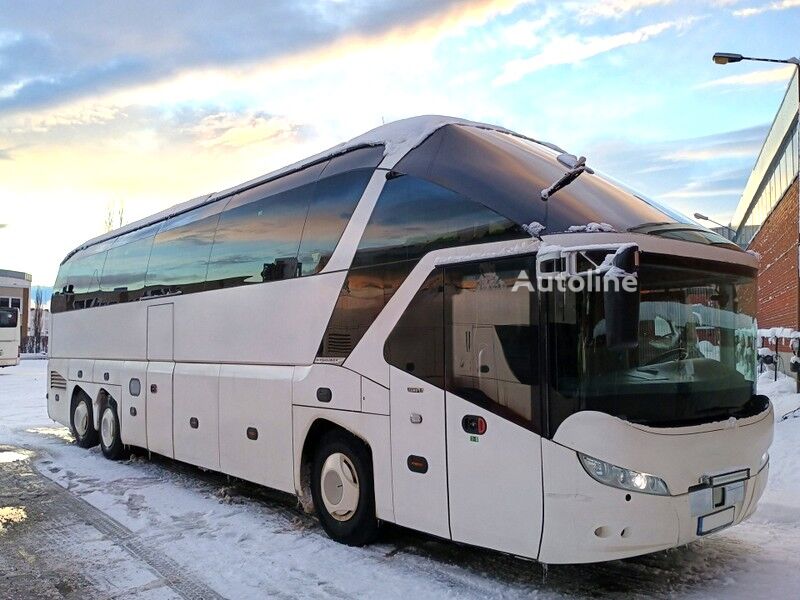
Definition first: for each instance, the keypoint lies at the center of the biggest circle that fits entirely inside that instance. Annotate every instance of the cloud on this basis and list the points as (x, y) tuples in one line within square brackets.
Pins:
[(705, 173), (743, 143), (757, 10), (49, 89), (526, 32), (573, 48), (228, 130), (612, 9), (762, 77), (47, 58)]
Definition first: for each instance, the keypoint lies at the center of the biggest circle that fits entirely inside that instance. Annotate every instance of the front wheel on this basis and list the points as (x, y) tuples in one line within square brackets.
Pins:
[(110, 438), (343, 490)]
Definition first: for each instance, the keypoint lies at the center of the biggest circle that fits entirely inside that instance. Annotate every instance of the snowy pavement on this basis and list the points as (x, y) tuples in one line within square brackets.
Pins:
[(74, 525)]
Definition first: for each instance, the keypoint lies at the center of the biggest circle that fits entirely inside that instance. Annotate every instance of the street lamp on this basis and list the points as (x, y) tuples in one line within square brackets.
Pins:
[(723, 58), (702, 217)]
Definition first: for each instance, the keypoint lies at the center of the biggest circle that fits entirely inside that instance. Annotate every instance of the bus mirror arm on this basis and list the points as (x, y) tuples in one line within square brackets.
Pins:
[(621, 303)]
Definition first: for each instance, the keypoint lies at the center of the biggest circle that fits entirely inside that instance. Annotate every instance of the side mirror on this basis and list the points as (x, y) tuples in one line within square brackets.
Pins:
[(621, 299)]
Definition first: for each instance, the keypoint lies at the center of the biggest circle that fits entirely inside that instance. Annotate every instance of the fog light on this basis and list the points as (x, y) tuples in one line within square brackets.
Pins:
[(619, 477)]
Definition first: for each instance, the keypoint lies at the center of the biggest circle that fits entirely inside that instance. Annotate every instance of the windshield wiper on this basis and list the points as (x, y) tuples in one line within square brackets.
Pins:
[(576, 165)]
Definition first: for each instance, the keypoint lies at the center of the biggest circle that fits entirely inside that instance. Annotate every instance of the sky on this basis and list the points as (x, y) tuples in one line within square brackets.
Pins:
[(137, 106)]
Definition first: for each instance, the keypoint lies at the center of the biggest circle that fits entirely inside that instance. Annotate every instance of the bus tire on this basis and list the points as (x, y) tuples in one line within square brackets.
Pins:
[(110, 437), (343, 490), (81, 421)]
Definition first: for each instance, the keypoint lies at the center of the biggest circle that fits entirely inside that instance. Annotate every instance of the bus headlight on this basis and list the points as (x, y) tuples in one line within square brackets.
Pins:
[(625, 479)]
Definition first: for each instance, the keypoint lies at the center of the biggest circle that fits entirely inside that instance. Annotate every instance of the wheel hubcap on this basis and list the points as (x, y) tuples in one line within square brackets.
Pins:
[(340, 487), (108, 427), (81, 418)]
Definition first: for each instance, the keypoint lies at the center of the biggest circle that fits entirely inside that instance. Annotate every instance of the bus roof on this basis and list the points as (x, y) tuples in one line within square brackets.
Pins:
[(397, 138), (495, 166)]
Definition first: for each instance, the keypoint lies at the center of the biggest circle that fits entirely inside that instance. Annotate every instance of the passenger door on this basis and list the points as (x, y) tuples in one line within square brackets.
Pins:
[(493, 407), (416, 405)]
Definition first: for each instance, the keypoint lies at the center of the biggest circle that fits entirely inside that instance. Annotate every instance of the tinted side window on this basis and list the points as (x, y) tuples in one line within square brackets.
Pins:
[(179, 256), (492, 339), (416, 344), (126, 265), (258, 238), (58, 303), (413, 217), (83, 280), (364, 294), (335, 199)]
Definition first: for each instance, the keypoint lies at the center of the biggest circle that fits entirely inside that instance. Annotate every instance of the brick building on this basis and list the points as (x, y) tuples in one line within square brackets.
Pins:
[(767, 220)]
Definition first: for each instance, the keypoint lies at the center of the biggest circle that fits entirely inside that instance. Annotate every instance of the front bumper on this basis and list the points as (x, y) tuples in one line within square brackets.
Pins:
[(587, 521)]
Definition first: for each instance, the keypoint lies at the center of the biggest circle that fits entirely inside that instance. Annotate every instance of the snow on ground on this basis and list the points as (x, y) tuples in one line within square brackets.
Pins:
[(246, 542)]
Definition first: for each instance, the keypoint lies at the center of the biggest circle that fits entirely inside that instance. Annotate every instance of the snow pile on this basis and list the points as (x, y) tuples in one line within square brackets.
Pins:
[(488, 254), (399, 137), (773, 334), (592, 228), (754, 253), (534, 229), (784, 478)]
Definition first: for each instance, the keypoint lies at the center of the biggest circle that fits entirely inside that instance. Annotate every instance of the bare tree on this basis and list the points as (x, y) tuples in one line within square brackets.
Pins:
[(115, 216), (38, 315)]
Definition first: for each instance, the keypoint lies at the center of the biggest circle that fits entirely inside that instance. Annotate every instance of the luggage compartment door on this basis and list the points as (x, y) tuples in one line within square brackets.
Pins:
[(159, 408)]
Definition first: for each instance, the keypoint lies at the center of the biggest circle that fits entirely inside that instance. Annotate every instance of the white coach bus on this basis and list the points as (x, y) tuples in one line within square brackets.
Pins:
[(9, 337), (404, 329)]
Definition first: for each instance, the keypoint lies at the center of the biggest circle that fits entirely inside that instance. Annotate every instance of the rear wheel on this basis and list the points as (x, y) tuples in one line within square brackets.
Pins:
[(82, 422), (110, 438), (342, 489)]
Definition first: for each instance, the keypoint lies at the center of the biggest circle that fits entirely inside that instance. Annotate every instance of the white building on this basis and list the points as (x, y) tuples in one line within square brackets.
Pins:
[(15, 292)]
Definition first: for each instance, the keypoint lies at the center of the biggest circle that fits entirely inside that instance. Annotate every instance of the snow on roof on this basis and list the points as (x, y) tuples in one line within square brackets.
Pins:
[(397, 137)]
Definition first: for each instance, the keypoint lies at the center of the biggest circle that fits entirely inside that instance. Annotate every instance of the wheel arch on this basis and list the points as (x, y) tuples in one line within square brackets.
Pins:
[(316, 431), (310, 424), (77, 392), (103, 398)]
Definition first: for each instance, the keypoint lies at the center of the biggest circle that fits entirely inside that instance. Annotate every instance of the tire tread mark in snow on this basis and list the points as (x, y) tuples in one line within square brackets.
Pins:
[(72, 512), (173, 573)]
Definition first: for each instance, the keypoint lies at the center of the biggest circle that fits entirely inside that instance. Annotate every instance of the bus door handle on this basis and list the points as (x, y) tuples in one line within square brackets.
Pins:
[(474, 424)]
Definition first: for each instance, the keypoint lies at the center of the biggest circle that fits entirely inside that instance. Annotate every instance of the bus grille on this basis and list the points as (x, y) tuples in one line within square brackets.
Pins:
[(57, 381), (340, 344)]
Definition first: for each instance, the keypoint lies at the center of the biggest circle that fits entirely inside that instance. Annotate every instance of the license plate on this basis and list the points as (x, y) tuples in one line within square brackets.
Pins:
[(715, 521)]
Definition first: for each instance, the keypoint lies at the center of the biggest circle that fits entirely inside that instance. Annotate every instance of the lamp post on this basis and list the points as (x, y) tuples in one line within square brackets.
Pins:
[(702, 217), (723, 58)]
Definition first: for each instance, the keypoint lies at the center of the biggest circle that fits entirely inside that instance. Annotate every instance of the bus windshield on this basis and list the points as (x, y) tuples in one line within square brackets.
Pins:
[(8, 317), (696, 355)]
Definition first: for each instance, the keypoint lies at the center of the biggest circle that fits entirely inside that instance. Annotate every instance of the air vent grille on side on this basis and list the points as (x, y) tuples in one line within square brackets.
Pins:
[(57, 381), (339, 344)]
